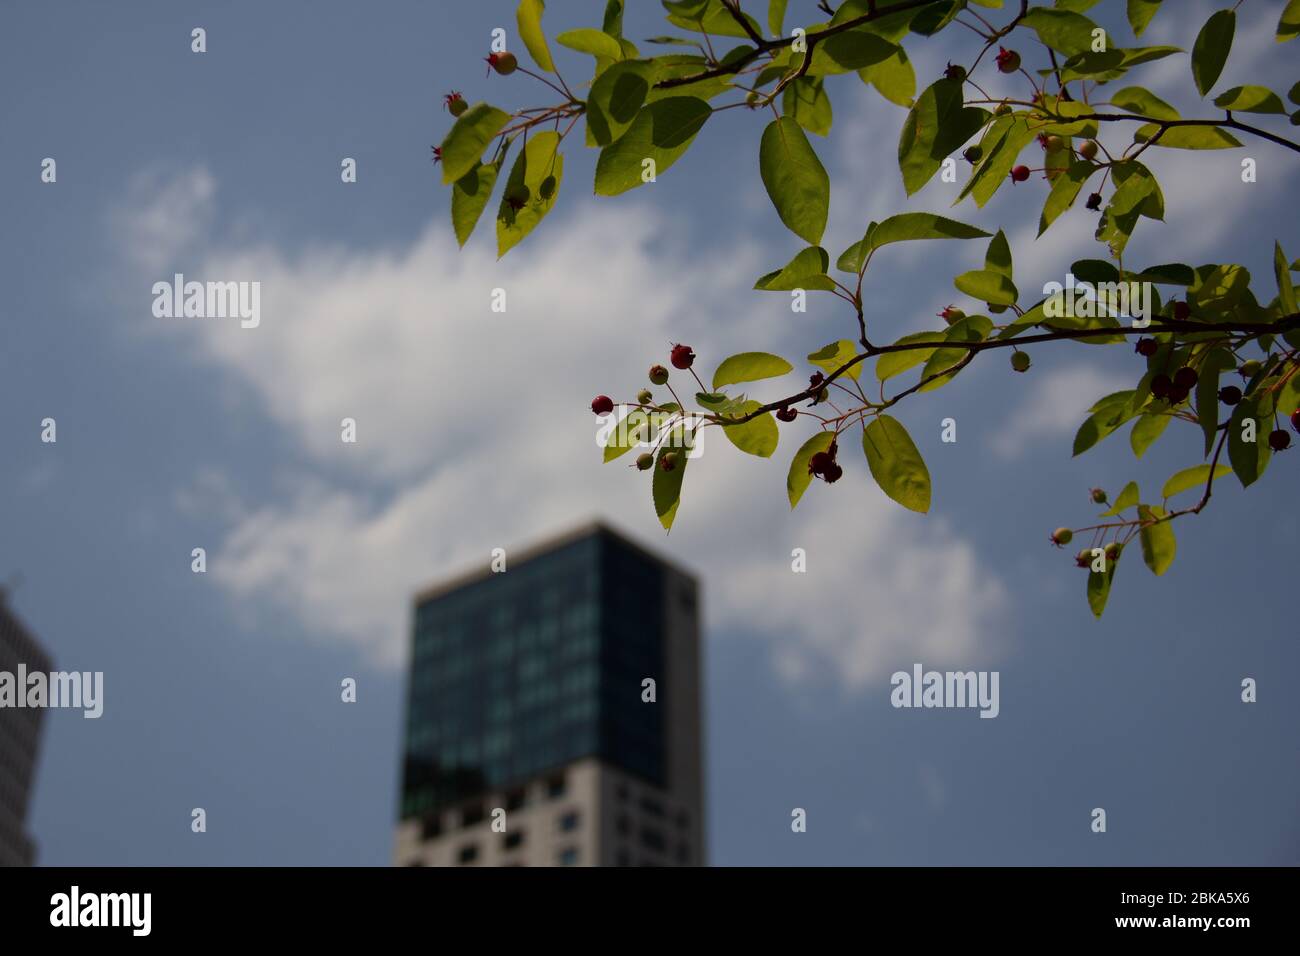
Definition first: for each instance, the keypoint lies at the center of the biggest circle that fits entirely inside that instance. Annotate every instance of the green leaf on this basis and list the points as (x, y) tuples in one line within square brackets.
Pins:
[(535, 179), (807, 270), (1221, 289), (661, 132), (590, 40), (903, 228), (835, 355), (1158, 543), (893, 363), (1127, 499), (467, 139), (795, 179), (1145, 431), (635, 427), (469, 197), (1065, 189), (616, 98), (1286, 297), (998, 257), (776, 16), (1288, 25), (749, 367), (529, 19), (757, 437), (1194, 477), (1250, 459), (1210, 51), (806, 102), (936, 125), (893, 78), (849, 51), (992, 287), (896, 464), (973, 328), (710, 17), (1101, 423), (666, 486), (613, 20), (1099, 587), (1135, 99), (1213, 364), (1188, 137), (1140, 13), (1062, 30), (797, 481), (1293, 94), (1250, 99), (1002, 143)]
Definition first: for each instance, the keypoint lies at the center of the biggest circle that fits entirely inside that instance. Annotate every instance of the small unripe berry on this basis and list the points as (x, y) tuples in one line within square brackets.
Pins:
[(1003, 109), (1250, 368), (1147, 347), (1094, 201), (1019, 174), (658, 374), (645, 461), (1020, 361), (682, 356), (1279, 440), (1181, 311), (787, 414), (823, 395), (503, 63), (1053, 142), (954, 72), (669, 461), (1160, 385), (602, 405), (1113, 551), (1185, 378), (752, 100), (1098, 496), (973, 154), (1230, 394), (1008, 60), (1084, 558), (1062, 537), (951, 315), (644, 397), (455, 103), (1088, 149)]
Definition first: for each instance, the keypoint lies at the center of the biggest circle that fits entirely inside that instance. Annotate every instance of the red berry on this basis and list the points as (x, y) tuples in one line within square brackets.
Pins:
[(1185, 378), (833, 474), (1094, 201), (815, 379), (1177, 394), (973, 154), (1295, 419), (682, 356), (1181, 311), (1230, 394), (1160, 385), (1020, 174), (1279, 440), (1008, 60), (602, 404), (820, 463), (787, 414), (1147, 347), (951, 315)]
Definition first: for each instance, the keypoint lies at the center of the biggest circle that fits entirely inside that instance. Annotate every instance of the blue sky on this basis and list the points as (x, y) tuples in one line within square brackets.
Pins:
[(221, 690)]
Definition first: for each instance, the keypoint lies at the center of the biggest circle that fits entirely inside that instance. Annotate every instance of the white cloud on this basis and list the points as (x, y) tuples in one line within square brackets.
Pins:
[(164, 214), (474, 433), (1056, 406)]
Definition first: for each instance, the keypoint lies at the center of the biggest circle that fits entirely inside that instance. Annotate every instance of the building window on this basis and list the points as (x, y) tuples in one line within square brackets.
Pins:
[(516, 798), (555, 786), (468, 853), (569, 821), (652, 806), (569, 856), (471, 815), (513, 840), (653, 839), (431, 826)]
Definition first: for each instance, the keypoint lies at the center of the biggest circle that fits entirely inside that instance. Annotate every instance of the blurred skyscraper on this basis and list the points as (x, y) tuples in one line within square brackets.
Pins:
[(530, 738), (20, 732)]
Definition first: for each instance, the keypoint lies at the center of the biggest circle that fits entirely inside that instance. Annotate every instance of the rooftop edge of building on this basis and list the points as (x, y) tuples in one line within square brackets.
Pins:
[(543, 546)]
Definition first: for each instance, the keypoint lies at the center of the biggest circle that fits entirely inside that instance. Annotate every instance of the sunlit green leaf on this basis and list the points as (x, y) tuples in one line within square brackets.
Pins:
[(467, 139), (935, 127), (756, 437), (798, 479), (1157, 537), (1194, 477), (795, 179), (902, 228), (835, 355), (1210, 51), (896, 464), (661, 133), (533, 186), (529, 19), (749, 367)]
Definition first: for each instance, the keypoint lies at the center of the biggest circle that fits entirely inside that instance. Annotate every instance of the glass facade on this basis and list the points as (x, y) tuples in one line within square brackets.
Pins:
[(517, 673)]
